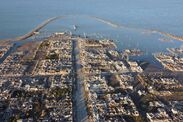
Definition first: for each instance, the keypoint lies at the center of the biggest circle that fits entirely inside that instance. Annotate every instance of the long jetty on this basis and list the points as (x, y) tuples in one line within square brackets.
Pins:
[(112, 24), (33, 32), (179, 38), (39, 27)]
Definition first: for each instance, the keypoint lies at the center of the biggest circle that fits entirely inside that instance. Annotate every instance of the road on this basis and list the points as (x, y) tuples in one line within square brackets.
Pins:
[(79, 107), (12, 49)]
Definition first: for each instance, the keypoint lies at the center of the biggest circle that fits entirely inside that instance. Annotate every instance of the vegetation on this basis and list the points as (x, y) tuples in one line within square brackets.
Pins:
[(144, 101), (53, 56), (60, 92)]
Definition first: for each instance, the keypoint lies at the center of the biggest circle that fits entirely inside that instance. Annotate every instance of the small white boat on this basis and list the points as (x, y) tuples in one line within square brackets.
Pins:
[(75, 27)]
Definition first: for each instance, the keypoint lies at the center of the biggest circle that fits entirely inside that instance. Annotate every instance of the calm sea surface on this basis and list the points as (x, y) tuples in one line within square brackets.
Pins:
[(20, 16)]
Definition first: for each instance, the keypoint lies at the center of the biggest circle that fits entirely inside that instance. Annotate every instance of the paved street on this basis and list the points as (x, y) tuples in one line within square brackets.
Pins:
[(80, 112)]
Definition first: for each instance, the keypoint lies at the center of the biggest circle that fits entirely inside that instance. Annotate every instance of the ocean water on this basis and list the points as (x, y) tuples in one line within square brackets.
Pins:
[(18, 17)]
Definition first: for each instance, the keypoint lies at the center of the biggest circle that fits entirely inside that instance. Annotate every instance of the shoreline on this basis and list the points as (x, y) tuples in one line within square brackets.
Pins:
[(109, 23)]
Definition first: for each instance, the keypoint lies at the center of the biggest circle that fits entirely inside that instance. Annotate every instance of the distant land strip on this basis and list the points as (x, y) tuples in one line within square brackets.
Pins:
[(114, 25)]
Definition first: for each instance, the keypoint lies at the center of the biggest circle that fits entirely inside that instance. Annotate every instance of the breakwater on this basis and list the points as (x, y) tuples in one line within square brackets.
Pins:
[(33, 32), (110, 23)]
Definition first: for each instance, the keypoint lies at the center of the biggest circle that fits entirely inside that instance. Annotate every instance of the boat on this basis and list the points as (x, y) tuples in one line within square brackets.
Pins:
[(75, 27)]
